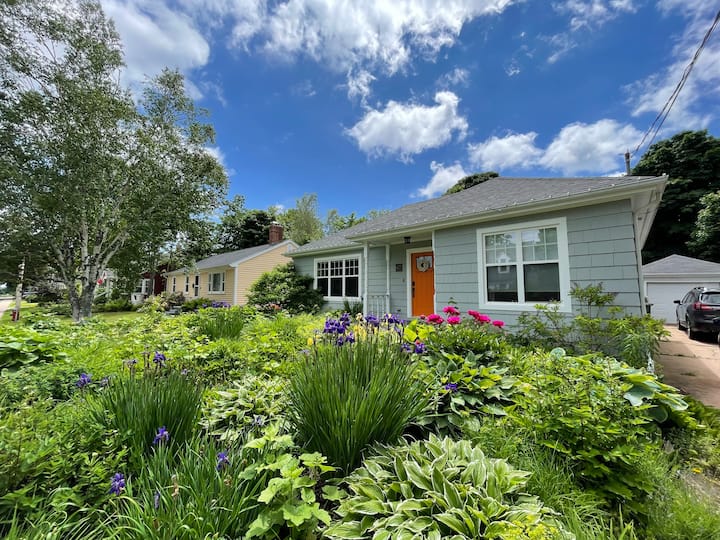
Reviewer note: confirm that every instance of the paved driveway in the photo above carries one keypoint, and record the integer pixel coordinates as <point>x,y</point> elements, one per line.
<point>5,304</point>
<point>692,366</point>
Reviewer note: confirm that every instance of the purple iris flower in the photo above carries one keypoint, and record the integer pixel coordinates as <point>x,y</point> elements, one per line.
<point>84,380</point>
<point>222,460</point>
<point>157,500</point>
<point>451,386</point>
<point>419,347</point>
<point>163,435</point>
<point>159,358</point>
<point>117,483</point>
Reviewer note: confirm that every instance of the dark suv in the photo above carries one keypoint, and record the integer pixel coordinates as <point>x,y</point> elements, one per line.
<point>696,311</point>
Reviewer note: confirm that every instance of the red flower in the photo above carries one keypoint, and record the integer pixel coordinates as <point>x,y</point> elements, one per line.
<point>453,319</point>
<point>435,319</point>
<point>499,324</point>
<point>451,310</point>
<point>483,319</point>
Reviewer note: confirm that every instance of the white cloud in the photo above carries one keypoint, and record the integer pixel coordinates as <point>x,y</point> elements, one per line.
<point>513,150</point>
<point>358,85</point>
<point>405,129</point>
<point>303,89</point>
<point>218,154</point>
<point>593,13</point>
<point>512,69</point>
<point>361,32</point>
<point>650,94</point>
<point>456,77</point>
<point>589,147</point>
<point>154,37</point>
<point>442,180</point>
<point>578,148</point>
<point>584,15</point>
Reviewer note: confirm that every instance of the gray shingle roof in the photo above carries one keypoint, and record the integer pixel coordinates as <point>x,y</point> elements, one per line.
<point>489,197</point>
<point>679,264</point>
<point>236,257</point>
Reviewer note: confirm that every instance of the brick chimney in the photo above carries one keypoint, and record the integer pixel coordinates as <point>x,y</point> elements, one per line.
<point>276,233</point>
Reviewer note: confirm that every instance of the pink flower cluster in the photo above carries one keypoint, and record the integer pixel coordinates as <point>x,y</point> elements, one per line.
<point>454,317</point>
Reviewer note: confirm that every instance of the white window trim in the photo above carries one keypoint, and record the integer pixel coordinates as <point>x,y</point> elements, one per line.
<point>560,223</point>
<point>359,258</point>
<point>222,283</point>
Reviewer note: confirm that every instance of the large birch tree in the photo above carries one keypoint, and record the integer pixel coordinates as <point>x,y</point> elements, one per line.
<point>92,171</point>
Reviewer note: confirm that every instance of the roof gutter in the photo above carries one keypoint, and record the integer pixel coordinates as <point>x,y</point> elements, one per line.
<point>543,205</point>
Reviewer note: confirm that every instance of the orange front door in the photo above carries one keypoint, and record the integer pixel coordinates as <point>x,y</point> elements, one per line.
<point>423,283</point>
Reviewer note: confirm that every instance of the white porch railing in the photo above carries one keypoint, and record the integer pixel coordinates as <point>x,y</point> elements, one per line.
<point>377,304</point>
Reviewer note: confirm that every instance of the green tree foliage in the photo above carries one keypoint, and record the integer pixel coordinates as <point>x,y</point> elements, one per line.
<point>241,228</point>
<point>90,171</point>
<point>472,180</point>
<point>285,288</point>
<point>692,161</point>
<point>705,238</point>
<point>302,223</point>
<point>334,222</point>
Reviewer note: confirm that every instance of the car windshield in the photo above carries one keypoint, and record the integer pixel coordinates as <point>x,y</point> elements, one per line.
<point>711,298</point>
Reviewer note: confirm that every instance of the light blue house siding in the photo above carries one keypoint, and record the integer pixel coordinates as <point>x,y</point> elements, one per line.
<point>600,246</point>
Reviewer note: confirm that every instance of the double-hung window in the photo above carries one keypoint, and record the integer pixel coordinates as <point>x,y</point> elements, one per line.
<point>187,284</point>
<point>216,282</point>
<point>338,277</point>
<point>525,265</point>
<point>196,287</point>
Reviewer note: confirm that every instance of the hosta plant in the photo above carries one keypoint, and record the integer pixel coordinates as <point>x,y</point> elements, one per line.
<point>245,406</point>
<point>462,387</point>
<point>441,488</point>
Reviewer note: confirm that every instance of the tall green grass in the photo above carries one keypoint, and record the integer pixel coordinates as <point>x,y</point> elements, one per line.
<point>218,323</point>
<point>136,407</point>
<point>345,398</point>
<point>186,495</point>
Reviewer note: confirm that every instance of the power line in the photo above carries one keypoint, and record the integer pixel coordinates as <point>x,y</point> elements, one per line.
<point>663,114</point>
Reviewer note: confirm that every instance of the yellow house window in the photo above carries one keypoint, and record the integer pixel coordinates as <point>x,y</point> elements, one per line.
<point>216,282</point>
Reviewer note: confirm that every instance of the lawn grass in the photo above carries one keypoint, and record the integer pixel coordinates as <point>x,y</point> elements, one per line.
<point>29,307</point>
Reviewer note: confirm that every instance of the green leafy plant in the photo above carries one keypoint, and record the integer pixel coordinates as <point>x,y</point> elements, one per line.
<point>21,346</point>
<point>196,303</point>
<point>441,488</point>
<point>258,489</point>
<point>245,407</point>
<point>599,327</point>
<point>462,388</point>
<point>53,459</point>
<point>345,398</point>
<point>578,408</point>
<point>285,288</point>
<point>136,407</point>
<point>224,322</point>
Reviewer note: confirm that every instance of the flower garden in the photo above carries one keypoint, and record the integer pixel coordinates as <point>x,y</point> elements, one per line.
<point>231,423</point>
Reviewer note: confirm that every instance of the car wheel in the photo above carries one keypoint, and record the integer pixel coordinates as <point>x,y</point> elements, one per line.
<point>680,326</point>
<point>692,334</point>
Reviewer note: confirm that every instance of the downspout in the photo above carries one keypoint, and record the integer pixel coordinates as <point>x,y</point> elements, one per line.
<point>638,258</point>
<point>387,278</point>
<point>434,255</point>
<point>365,296</point>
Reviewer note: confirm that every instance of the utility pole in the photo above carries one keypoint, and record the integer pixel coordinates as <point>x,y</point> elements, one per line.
<point>627,162</point>
<point>18,290</point>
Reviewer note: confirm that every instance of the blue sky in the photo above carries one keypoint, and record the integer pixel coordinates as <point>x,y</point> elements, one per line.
<point>373,104</point>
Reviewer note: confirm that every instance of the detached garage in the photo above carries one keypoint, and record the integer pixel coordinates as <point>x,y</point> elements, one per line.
<point>671,278</point>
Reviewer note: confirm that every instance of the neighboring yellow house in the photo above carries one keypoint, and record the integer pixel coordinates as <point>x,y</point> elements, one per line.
<point>227,277</point>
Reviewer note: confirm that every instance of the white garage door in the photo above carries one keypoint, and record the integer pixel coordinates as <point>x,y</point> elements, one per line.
<point>661,295</point>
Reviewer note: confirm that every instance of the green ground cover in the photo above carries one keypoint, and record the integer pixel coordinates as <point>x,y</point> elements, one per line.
<point>230,423</point>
